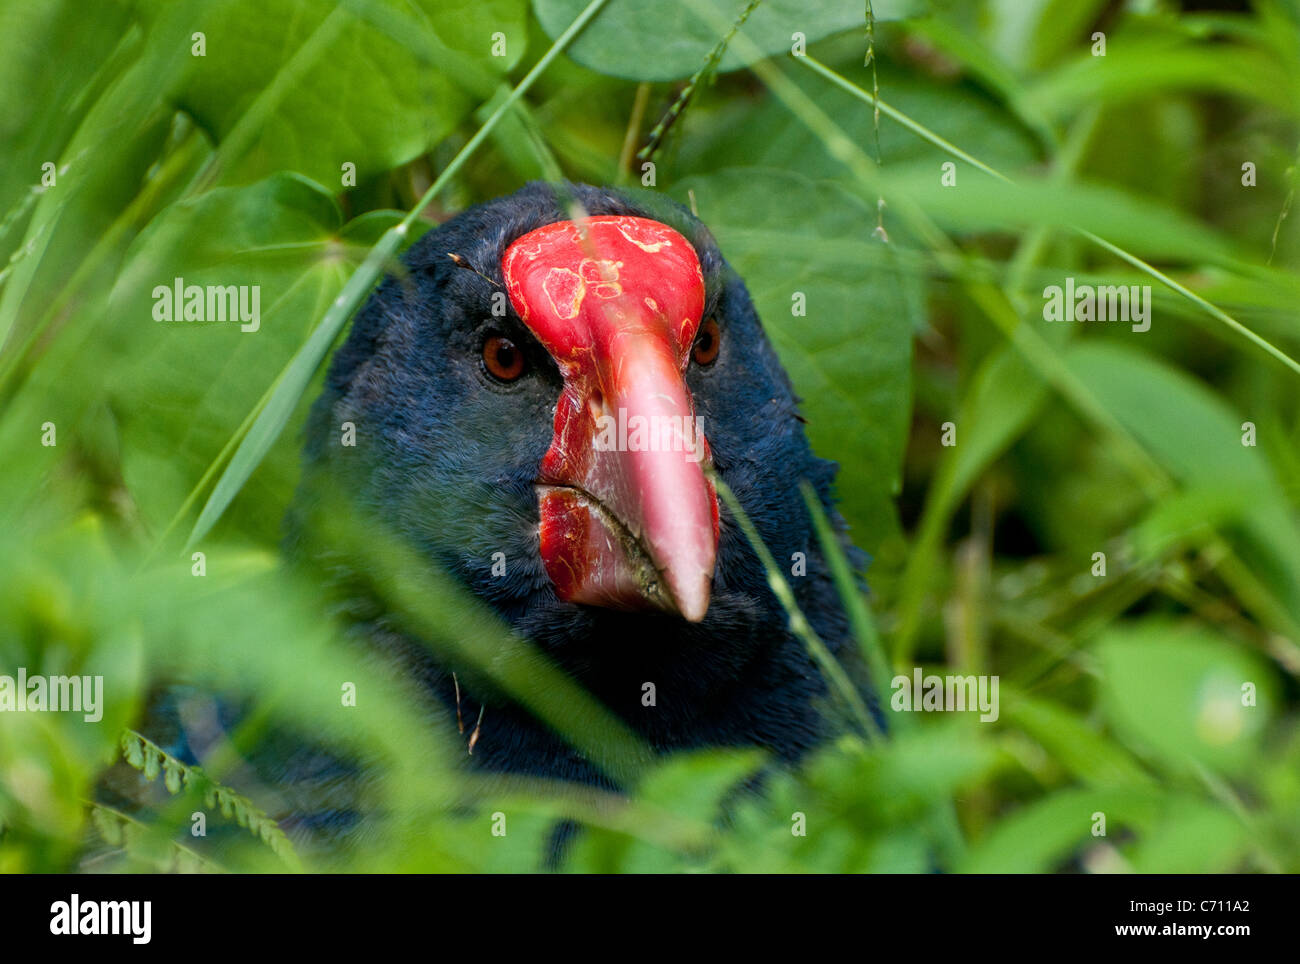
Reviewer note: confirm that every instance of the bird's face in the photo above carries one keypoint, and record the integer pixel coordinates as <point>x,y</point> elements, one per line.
<point>538,406</point>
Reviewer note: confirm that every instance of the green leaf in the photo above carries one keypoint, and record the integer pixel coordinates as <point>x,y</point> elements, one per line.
<point>689,785</point>
<point>79,228</point>
<point>181,389</point>
<point>310,85</point>
<point>1036,838</point>
<point>1035,33</point>
<point>1198,439</point>
<point>40,108</point>
<point>694,785</point>
<point>109,827</point>
<point>1078,747</point>
<point>1141,67</point>
<point>670,39</point>
<point>172,775</point>
<point>1178,691</point>
<point>133,750</point>
<point>850,356</point>
<point>981,203</point>
<point>289,388</point>
<point>719,133</point>
<point>1192,837</point>
<point>152,763</point>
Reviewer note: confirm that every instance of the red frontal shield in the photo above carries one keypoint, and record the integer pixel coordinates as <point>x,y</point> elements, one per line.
<point>628,518</point>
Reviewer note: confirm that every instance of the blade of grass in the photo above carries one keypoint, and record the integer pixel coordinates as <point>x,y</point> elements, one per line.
<point>922,131</point>
<point>957,471</point>
<point>698,79</point>
<point>19,356</point>
<point>799,625</point>
<point>864,627</point>
<point>1042,355</point>
<point>464,632</point>
<point>634,121</point>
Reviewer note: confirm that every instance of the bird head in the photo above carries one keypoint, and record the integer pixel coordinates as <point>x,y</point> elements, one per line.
<point>540,403</point>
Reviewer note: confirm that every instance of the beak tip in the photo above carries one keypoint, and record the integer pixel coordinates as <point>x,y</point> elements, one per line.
<point>692,599</point>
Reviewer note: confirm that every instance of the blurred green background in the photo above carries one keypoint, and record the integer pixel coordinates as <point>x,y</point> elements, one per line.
<point>145,140</point>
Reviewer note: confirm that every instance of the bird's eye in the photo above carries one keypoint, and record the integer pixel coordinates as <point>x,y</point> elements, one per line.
<point>502,358</point>
<point>707,343</point>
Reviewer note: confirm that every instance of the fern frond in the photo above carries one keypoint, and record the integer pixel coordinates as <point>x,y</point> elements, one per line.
<point>151,760</point>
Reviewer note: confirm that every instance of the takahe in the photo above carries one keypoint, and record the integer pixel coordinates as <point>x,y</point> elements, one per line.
<point>496,387</point>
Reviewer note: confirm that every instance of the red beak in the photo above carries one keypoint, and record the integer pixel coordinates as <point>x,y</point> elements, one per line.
<point>628,518</point>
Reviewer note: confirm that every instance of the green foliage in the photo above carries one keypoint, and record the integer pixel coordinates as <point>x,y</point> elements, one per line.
<point>285,234</point>
<point>1161,694</point>
<point>669,39</point>
<point>146,756</point>
<point>366,82</point>
<point>785,234</point>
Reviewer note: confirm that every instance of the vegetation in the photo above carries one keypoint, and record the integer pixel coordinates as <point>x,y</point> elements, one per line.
<point>300,145</point>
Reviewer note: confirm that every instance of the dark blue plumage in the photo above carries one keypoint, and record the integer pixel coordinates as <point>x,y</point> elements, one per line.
<point>447,457</point>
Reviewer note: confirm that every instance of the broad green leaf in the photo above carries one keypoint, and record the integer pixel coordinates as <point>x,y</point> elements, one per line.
<point>284,397</point>
<point>39,107</point>
<point>180,389</point>
<point>311,85</point>
<point>80,226</point>
<point>896,781</point>
<point>689,785</point>
<point>694,785</point>
<point>522,848</point>
<point>670,39</point>
<point>849,357</point>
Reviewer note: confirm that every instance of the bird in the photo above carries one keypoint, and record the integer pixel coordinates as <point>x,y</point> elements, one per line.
<point>543,397</point>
